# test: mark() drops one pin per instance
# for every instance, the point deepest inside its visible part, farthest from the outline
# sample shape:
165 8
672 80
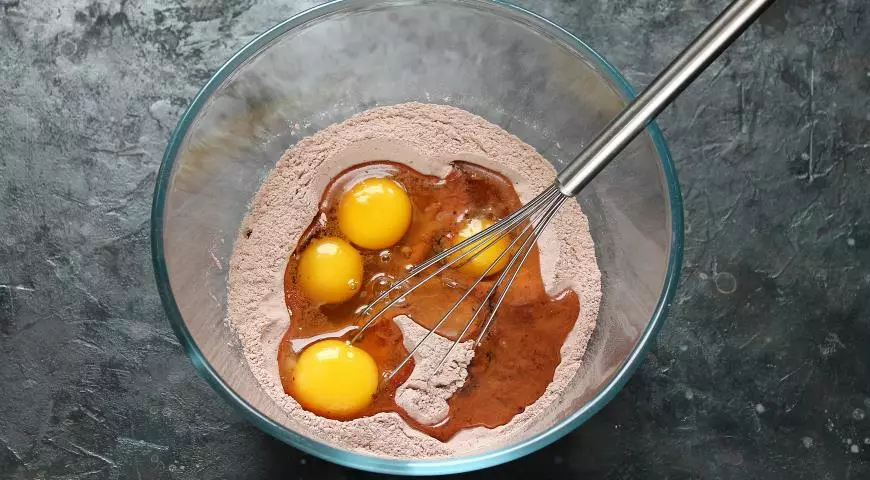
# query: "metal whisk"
531 219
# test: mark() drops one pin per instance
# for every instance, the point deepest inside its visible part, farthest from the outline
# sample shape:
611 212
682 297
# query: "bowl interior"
497 61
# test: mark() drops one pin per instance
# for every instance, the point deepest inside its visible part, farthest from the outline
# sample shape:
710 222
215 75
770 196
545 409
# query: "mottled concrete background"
761 371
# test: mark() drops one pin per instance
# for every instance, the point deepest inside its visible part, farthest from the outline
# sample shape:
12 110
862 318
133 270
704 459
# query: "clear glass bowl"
499 61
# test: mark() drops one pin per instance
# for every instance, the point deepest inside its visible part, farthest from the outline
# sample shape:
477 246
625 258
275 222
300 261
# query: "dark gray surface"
761 371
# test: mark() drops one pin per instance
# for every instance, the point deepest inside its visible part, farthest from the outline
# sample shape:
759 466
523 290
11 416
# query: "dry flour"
425 137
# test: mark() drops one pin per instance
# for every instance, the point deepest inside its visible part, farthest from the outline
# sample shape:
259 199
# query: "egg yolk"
330 270
335 379
375 213
477 265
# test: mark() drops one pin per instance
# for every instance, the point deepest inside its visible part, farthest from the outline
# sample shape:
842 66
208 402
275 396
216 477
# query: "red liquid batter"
517 358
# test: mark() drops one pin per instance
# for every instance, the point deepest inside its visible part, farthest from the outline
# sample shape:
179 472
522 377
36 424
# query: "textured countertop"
760 372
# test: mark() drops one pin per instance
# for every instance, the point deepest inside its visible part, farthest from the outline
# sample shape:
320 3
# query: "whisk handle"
660 93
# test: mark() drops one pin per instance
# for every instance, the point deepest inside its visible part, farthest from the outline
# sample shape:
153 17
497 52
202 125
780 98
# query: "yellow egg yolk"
375 213
482 261
330 270
335 379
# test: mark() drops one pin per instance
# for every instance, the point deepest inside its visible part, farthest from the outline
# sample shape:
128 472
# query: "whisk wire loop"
469 248
534 217
523 252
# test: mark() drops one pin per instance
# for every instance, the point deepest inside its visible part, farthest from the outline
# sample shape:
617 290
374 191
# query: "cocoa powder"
427 138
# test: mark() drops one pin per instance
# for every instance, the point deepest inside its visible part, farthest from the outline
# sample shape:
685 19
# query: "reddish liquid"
517 358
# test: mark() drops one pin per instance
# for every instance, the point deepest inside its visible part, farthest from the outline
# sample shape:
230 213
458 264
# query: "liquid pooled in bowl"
517 358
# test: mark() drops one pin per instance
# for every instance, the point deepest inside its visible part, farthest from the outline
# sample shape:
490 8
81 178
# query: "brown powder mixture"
426 138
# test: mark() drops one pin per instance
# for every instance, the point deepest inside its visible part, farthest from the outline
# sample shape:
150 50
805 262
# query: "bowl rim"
403 466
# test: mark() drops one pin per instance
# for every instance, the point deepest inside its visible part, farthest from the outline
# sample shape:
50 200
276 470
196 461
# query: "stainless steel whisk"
532 218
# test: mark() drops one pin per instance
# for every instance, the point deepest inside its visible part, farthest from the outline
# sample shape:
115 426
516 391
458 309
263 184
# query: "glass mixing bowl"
499 61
